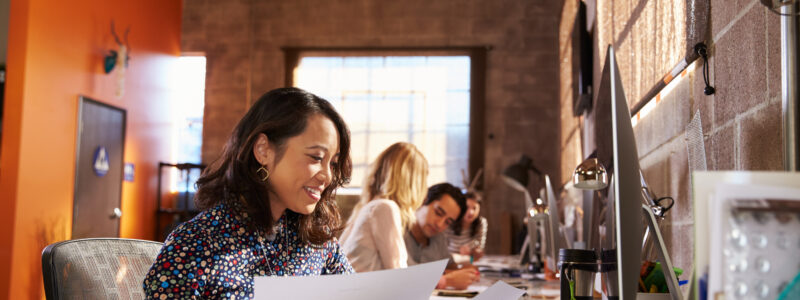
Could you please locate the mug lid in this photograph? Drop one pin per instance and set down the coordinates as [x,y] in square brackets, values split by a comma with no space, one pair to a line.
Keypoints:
[577,256]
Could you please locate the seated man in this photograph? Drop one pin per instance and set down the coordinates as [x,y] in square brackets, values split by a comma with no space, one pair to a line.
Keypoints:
[444,205]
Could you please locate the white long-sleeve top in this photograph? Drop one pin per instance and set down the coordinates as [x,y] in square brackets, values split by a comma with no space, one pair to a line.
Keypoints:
[374,240]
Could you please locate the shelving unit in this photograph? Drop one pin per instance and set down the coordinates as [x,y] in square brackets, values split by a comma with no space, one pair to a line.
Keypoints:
[183,207]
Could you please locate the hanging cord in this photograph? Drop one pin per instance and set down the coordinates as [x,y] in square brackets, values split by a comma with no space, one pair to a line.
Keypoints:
[665,208]
[701,50]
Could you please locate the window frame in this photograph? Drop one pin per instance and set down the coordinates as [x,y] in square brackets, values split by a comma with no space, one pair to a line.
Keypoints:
[477,56]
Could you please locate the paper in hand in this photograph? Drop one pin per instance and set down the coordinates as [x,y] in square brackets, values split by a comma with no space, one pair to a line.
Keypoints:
[415,282]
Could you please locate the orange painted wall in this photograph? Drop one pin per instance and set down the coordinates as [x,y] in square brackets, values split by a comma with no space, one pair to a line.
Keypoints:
[55,54]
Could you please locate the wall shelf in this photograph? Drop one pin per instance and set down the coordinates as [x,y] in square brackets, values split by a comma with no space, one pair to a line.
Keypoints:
[182,207]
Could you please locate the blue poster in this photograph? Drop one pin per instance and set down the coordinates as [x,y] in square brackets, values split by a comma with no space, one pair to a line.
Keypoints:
[100,161]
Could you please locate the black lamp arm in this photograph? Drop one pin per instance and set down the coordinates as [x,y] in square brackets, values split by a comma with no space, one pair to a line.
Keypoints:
[535,170]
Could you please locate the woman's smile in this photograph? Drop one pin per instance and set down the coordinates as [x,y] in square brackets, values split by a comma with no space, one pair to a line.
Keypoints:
[313,193]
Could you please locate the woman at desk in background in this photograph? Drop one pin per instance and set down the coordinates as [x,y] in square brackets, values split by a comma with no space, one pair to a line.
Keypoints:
[393,190]
[468,237]
[268,204]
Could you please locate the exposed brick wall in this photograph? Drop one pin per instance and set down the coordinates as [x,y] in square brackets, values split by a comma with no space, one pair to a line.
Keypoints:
[741,122]
[570,143]
[242,41]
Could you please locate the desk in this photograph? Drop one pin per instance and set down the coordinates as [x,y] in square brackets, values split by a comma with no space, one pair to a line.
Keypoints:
[536,287]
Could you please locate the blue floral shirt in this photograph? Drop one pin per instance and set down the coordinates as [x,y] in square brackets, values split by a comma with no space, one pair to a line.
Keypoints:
[214,256]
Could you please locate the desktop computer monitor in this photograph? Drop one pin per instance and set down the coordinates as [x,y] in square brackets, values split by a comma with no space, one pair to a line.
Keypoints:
[543,228]
[557,238]
[616,149]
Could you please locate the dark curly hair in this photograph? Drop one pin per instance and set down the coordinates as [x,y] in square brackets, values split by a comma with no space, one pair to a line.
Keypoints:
[280,114]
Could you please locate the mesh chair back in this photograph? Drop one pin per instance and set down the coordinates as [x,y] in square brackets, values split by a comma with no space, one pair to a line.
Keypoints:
[98,268]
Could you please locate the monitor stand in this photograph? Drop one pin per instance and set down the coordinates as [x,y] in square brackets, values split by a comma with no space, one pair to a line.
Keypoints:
[533,257]
[663,254]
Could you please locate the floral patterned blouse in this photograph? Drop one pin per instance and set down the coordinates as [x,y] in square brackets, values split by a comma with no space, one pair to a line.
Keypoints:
[214,256]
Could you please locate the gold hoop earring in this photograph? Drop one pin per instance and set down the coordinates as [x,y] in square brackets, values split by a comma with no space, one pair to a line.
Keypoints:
[266,173]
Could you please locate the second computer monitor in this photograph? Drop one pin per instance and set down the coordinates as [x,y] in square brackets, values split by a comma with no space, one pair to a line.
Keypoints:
[616,148]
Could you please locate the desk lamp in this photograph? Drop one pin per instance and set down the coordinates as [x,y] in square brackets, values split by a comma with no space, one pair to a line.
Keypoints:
[516,176]
[590,175]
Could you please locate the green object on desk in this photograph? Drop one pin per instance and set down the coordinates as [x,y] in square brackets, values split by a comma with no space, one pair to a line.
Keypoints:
[656,277]
[792,291]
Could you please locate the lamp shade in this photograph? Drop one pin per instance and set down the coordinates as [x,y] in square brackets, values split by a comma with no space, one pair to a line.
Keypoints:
[516,175]
[590,175]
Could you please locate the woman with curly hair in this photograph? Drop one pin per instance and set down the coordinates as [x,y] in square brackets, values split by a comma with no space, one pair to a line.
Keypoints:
[268,206]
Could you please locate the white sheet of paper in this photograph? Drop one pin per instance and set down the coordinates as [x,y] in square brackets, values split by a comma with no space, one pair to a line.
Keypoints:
[415,282]
[500,291]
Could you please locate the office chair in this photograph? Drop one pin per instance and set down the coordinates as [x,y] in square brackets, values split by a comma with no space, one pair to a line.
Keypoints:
[97,268]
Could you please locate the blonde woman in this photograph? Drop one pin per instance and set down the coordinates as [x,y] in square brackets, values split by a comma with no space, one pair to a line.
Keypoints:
[393,190]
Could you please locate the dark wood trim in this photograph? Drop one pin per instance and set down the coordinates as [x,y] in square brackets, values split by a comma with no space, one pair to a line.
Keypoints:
[477,112]
[291,60]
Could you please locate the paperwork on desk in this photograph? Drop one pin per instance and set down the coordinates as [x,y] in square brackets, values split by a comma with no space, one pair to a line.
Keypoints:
[415,282]
[500,291]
